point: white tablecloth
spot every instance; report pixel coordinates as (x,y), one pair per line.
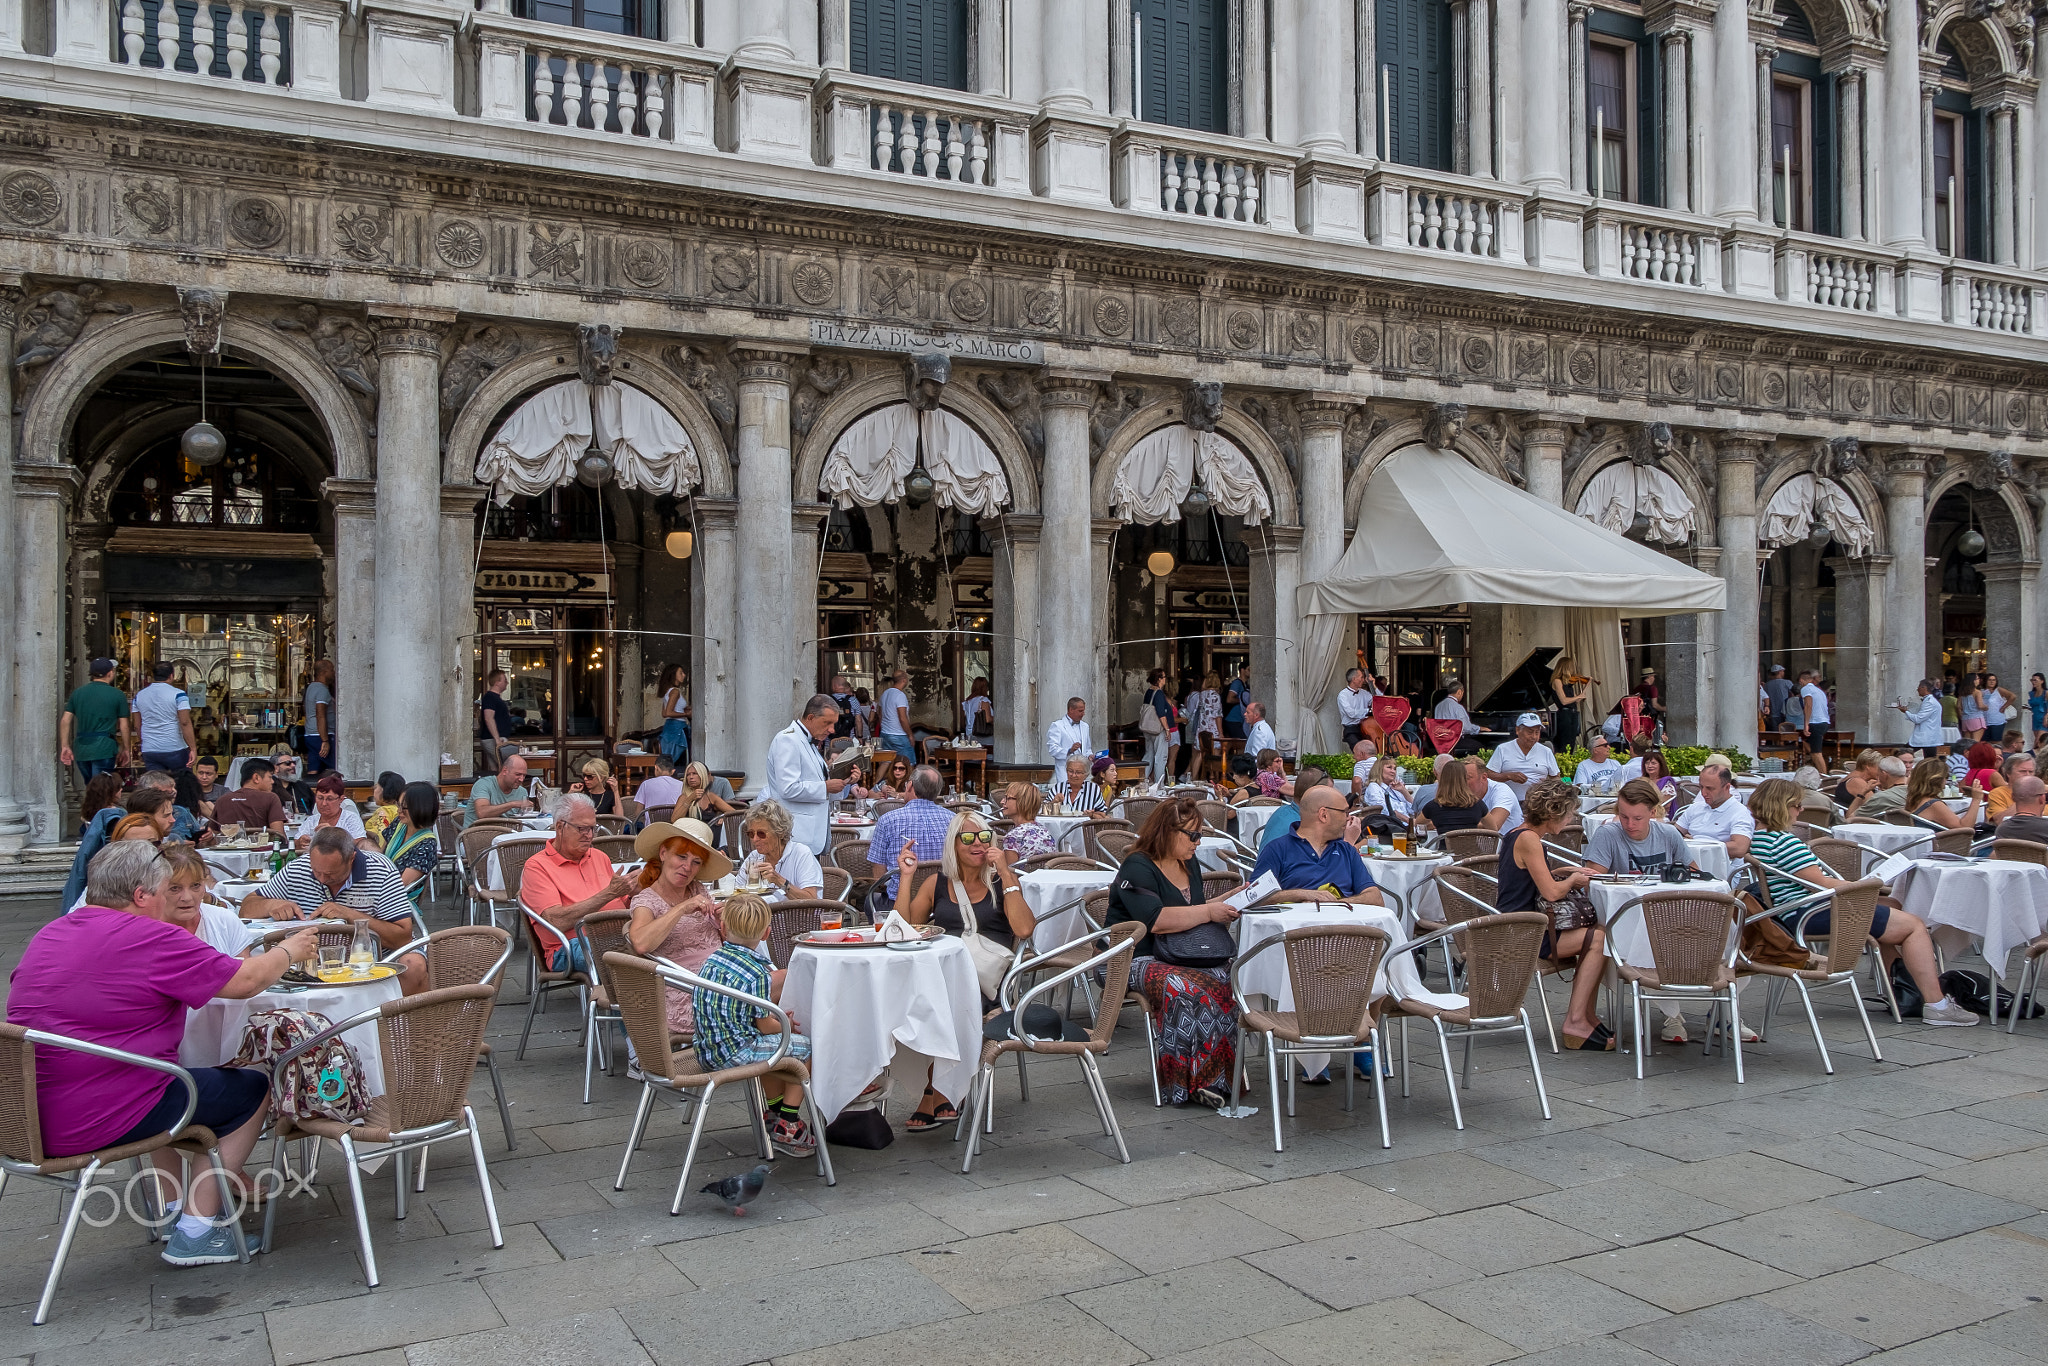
(1267,974)
(1631,943)
(213,1033)
(236,862)
(1884,839)
(1055,898)
(2003,903)
(1212,851)
(1251,822)
(1060,827)
(857,1005)
(1415,880)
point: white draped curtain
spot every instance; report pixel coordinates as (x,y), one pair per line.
(1153,479)
(1592,637)
(538,446)
(872,458)
(1805,499)
(1620,493)
(1324,636)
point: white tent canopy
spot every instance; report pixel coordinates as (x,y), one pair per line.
(872,458)
(1435,531)
(538,446)
(1624,491)
(1804,500)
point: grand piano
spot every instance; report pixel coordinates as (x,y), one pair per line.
(1526,688)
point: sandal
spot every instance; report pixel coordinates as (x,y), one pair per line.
(1210,1096)
(943,1114)
(1599,1041)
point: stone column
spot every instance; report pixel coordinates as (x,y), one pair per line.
(1859,608)
(42,504)
(1903,648)
(1321,537)
(807,525)
(1461,86)
(1677,46)
(14,818)
(1929,233)
(1507,76)
(764,30)
(1735,665)
(1066,599)
(1902,135)
(714,643)
(2001,191)
(1123,62)
(1766,155)
(1543,444)
(1689,659)
(1479,84)
(405,699)
(1014,542)
(354,642)
(2005,620)
(1063,35)
(1546,137)
(1276,633)
(457,653)
(835,41)
(1319,54)
(1575,96)
(768,588)
(1850,141)
(1105,705)
(1734,138)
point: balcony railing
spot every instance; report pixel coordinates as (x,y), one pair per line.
(1994,298)
(1641,242)
(897,129)
(216,41)
(1195,175)
(1412,209)
(1830,273)
(532,72)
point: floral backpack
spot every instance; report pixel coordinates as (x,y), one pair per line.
(323,1083)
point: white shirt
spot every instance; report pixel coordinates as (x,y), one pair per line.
(1501,797)
(893,701)
(1065,736)
(350,820)
(1353,706)
(1539,762)
(800,866)
(796,778)
(1705,822)
(1925,715)
(223,929)
(1387,799)
(1451,709)
(660,790)
(1591,771)
(156,710)
(1632,769)
(972,708)
(1258,736)
(1818,696)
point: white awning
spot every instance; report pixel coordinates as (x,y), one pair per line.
(1436,531)
(1155,475)
(1624,491)
(1804,500)
(872,458)
(538,446)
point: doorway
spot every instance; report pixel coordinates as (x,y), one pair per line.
(245,672)
(559,665)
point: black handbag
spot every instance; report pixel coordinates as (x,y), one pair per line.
(1207,945)
(1572,911)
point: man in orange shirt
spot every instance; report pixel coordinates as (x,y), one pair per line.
(567,880)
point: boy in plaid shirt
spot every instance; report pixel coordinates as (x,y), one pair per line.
(729,1034)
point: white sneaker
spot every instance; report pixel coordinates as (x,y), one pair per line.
(1946,1012)
(633,1072)
(1674,1030)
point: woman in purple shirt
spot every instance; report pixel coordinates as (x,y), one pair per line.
(116,972)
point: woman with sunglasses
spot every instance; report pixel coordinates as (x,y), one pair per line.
(975,877)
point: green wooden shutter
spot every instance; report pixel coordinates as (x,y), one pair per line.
(1181,63)
(923,42)
(1414,50)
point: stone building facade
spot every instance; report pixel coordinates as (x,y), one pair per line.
(1714,248)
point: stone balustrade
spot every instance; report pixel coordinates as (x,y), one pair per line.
(1829,273)
(1637,242)
(901,130)
(1994,298)
(231,42)
(1224,180)
(1411,209)
(531,72)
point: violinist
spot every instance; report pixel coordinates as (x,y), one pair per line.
(1570,687)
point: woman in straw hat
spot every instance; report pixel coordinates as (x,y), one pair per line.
(674,916)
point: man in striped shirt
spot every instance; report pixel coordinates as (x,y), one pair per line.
(334,880)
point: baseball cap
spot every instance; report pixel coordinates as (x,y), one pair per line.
(1529,718)
(101,665)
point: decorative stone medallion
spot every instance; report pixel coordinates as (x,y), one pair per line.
(1242,330)
(1112,316)
(2016,411)
(1476,355)
(1773,388)
(1044,307)
(1678,375)
(360,234)
(256,222)
(645,264)
(1181,321)
(1365,344)
(30,199)
(733,272)
(1530,355)
(460,244)
(814,283)
(1859,395)
(1305,331)
(1584,368)
(150,207)
(968,299)
(1422,346)
(1941,404)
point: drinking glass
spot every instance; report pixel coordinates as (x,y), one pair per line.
(1400,843)
(830,920)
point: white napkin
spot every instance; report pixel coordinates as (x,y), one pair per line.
(897,928)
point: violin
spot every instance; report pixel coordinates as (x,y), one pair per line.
(1579,680)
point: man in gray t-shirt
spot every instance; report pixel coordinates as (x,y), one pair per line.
(1635,841)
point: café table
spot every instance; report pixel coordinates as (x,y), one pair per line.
(1056,898)
(1885,839)
(1999,901)
(1266,975)
(1414,877)
(492,875)
(237,863)
(1251,822)
(1063,831)
(845,828)
(1631,943)
(858,1005)
(964,757)
(1213,852)
(213,1033)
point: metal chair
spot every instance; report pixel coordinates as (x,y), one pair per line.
(617,848)
(21,1139)
(2018,851)
(1218,816)
(1115,845)
(838,884)
(1500,953)
(469,955)
(429,1043)
(1136,809)
(614,825)
(1844,858)
(642,984)
(541,979)
(659,813)
(1056,863)
(1330,971)
(1003,1033)
(1850,910)
(2028,984)
(600,932)
(1096,828)
(1694,952)
(795,916)
(887,804)
(512,856)
(853,856)
(1464,844)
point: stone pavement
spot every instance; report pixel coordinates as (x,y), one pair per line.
(1892,1212)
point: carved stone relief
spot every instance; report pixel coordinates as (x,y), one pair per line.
(1016,393)
(484,349)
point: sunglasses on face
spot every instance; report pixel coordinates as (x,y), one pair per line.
(969,837)
(1194,834)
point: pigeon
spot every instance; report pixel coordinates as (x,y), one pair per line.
(739,1191)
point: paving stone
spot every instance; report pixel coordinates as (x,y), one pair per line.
(997,1208)
(1156,1238)
(1628,1209)
(1541,1307)
(1951,1348)
(1680,1275)
(998,1270)
(460,1210)
(1997,1264)
(1179,1310)
(2029,1111)
(1241,1352)
(1403,1332)
(1861,1157)
(1965,1137)
(449,1257)
(649,1224)
(770,1250)
(1748,1182)
(390,1356)
(1449,1182)
(1322,1206)
(1499,1239)
(241,1341)
(389,1318)
(1693,1135)
(1160,1179)
(581,1285)
(1593,1352)
(1930,1208)
(1808,1240)
(2012,1174)
(1573,1158)
(597,1336)
(2022,1330)
(766,1317)
(1885,1308)
(1744,1333)
(1358,1268)
(1047,1332)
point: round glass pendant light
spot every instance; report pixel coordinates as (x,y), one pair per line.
(1160,562)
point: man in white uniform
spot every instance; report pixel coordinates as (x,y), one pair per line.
(1354,704)
(796,773)
(1068,735)
(1258,736)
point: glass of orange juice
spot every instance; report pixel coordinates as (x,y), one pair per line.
(830,920)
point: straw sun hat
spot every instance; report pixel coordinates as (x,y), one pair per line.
(694,832)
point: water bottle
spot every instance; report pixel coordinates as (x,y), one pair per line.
(362,949)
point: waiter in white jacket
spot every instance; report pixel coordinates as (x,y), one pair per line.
(1068,736)
(796,773)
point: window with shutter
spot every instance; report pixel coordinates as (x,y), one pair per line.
(1414,39)
(923,42)
(1181,59)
